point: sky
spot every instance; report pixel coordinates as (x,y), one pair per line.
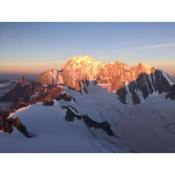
(36,47)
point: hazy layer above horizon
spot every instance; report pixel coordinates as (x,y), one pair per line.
(15,76)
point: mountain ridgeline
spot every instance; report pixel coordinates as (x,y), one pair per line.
(132,85)
(82,74)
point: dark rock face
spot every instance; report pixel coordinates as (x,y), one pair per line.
(103,125)
(48,103)
(161,83)
(122,94)
(4,113)
(143,82)
(171,93)
(135,98)
(7,124)
(65,97)
(80,86)
(71,116)
(146,84)
(15,122)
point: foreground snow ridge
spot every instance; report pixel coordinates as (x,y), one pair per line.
(52,133)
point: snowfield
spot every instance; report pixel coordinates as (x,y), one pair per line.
(54,134)
(147,127)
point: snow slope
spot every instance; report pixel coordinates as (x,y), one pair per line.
(147,127)
(54,134)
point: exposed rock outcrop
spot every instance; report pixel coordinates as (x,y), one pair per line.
(66,97)
(171,93)
(8,124)
(71,116)
(25,93)
(146,84)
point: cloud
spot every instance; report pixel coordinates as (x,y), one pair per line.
(156,46)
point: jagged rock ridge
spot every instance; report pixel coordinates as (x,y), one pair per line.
(137,82)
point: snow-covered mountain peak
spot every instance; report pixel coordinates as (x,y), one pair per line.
(86,61)
(86,58)
(138,81)
(49,77)
(145,68)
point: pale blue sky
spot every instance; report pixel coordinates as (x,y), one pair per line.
(32,44)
